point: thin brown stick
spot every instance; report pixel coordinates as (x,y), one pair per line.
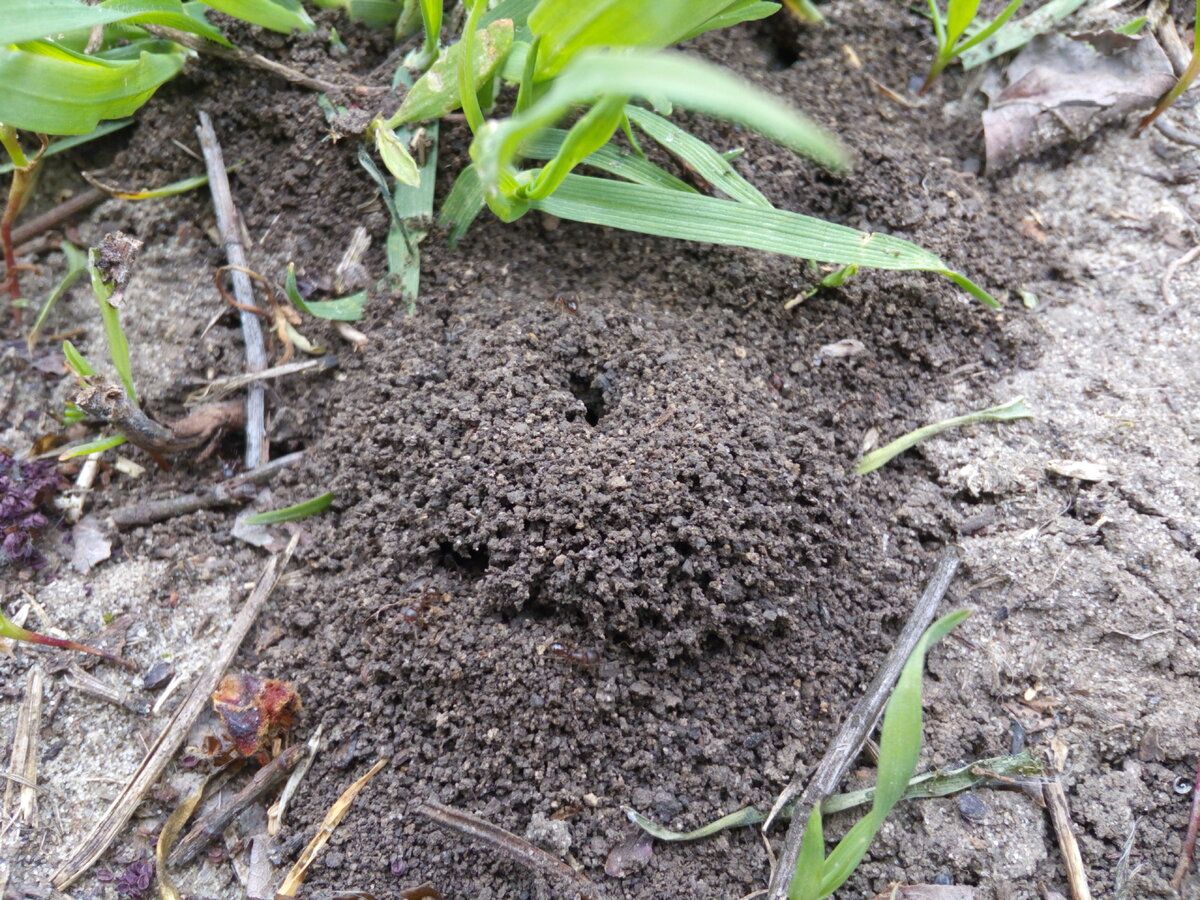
(515,848)
(219,387)
(295,877)
(1188,850)
(23,765)
(56,216)
(255,60)
(167,744)
(235,490)
(854,731)
(256,353)
(1060,815)
(209,827)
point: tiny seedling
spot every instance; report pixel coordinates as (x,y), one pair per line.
(951,30)
(1005,412)
(605,58)
(817,875)
(17,633)
(292,513)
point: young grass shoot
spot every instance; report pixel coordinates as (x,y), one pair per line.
(606,59)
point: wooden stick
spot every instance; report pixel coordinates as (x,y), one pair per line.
(82,201)
(209,827)
(24,753)
(858,725)
(1060,815)
(146,512)
(256,354)
(171,738)
(515,848)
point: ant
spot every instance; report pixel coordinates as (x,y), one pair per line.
(582,657)
(569,302)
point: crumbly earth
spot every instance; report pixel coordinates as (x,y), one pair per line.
(658,471)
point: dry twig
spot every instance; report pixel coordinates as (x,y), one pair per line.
(854,731)
(171,738)
(57,215)
(235,490)
(1060,815)
(1172,267)
(209,827)
(256,353)
(23,765)
(515,848)
(333,818)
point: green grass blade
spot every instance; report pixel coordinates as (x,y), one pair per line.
(568,27)
(589,133)
(608,158)
(1013,409)
(436,93)
(284,16)
(51,90)
(899,748)
(1017,34)
(735,13)
(988,30)
(97,446)
(343,309)
(938,783)
(462,205)
(75,140)
(76,266)
(806,883)
(118,345)
(30,20)
(694,217)
(669,77)
(75,360)
(959,15)
(167,190)
(699,156)
(292,513)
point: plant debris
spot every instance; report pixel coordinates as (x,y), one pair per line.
(25,487)
(255,710)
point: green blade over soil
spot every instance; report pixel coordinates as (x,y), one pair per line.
(694,217)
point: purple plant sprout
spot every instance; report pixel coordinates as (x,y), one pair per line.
(25,487)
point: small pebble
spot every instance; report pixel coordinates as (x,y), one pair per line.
(971,808)
(157,676)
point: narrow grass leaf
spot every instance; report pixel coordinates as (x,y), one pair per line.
(698,156)
(899,748)
(1013,409)
(568,27)
(97,446)
(343,309)
(436,93)
(745,11)
(75,360)
(694,217)
(1017,34)
(76,266)
(988,30)
(609,158)
(462,205)
(959,14)
(118,345)
(938,783)
(806,883)
(29,20)
(51,90)
(284,16)
(657,76)
(74,140)
(292,513)
(167,190)
(396,157)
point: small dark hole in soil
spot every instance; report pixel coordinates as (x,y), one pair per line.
(683,548)
(473,562)
(590,396)
(779,39)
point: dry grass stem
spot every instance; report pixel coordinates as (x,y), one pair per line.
(20,796)
(1060,815)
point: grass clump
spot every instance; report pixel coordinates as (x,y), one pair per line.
(951,30)
(604,67)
